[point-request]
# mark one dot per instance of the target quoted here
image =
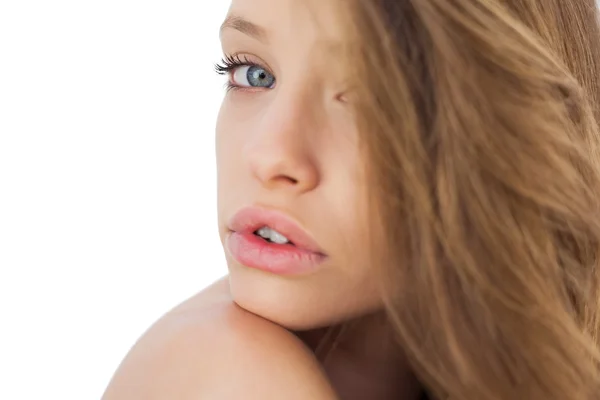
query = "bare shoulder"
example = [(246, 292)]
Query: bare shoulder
[(209, 348)]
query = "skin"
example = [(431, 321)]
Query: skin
[(292, 147), (197, 350), (201, 347)]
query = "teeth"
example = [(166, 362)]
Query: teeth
[(272, 235)]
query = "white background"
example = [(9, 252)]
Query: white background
[(107, 181)]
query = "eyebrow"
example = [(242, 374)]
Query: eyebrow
[(243, 25)]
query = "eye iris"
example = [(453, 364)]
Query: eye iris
[(258, 77)]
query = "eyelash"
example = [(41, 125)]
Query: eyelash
[(229, 63)]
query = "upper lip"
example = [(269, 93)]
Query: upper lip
[(250, 219)]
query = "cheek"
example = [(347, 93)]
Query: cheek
[(228, 143), (348, 188), (237, 116), (223, 126), (344, 200), (357, 222), (228, 150)]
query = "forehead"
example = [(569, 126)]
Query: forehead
[(281, 21)]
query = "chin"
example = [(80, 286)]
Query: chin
[(295, 303)]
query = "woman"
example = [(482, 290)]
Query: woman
[(409, 197)]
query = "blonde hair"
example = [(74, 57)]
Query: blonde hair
[(478, 121)]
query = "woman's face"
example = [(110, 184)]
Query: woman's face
[(291, 211)]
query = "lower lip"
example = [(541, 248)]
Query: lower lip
[(282, 259)]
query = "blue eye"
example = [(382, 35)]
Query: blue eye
[(251, 76), (243, 73)]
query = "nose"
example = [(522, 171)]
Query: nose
[(280, 151)]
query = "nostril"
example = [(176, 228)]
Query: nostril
[(277, 170), (287, 179)]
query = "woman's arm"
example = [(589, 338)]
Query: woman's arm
[(208, 348)]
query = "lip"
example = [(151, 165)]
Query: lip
[(301, 257)]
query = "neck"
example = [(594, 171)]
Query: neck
[(362, 360)]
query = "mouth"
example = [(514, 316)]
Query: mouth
[(273, 227), (271, 241), (272, 236)]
